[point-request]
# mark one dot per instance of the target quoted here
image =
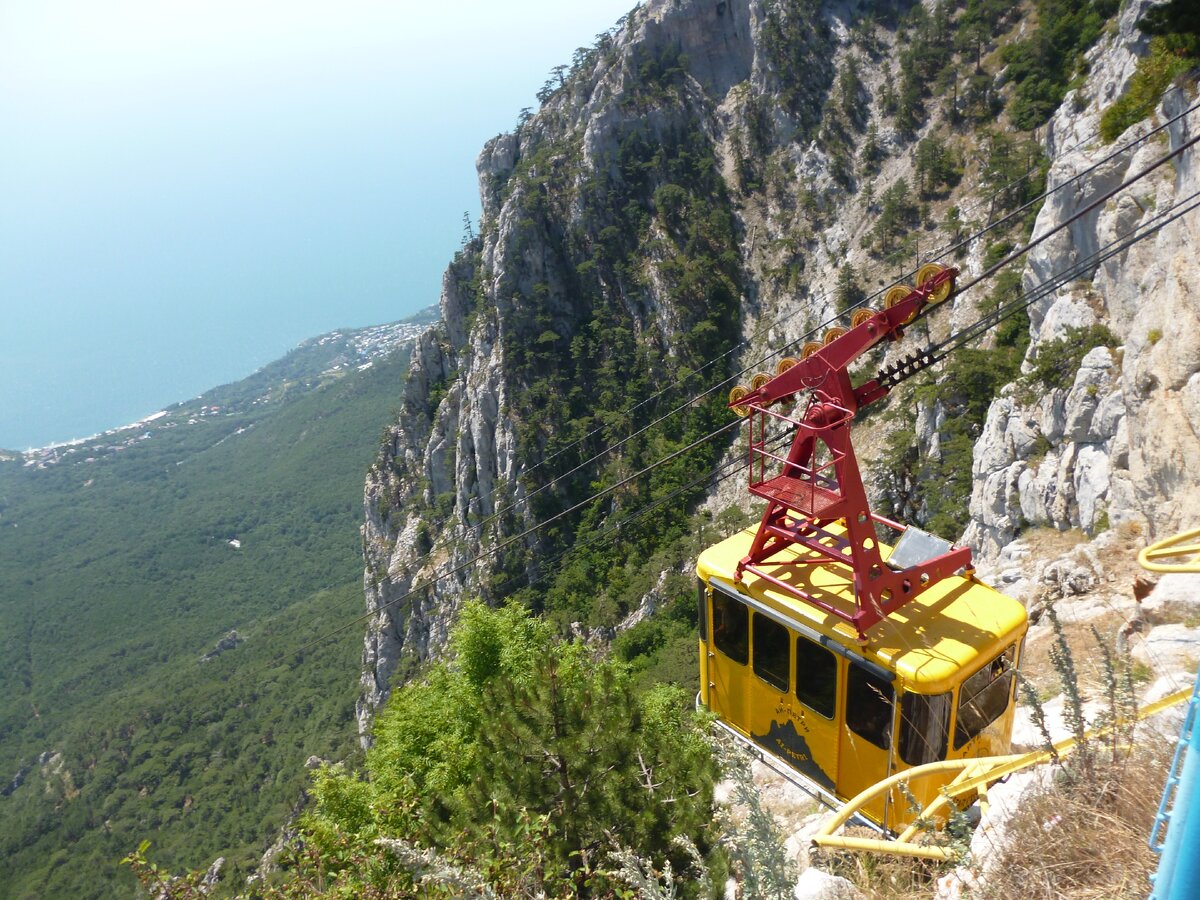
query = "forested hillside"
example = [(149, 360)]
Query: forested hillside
[(230, 521)]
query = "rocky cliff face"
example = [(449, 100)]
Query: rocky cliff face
[(1118, 444), (590, 234), (686, 199)]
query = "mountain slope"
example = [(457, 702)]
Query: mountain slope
[(125, 559), (708, 187)]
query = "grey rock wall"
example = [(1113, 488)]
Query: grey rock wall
[(1120, 443)]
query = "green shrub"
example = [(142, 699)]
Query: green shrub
[(1043, 64), (519, 762), (1058, 360), (1169, 56), (996, 252)]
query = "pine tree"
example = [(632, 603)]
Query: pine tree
[(849, 291)]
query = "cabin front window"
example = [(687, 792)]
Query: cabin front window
[(984, 697), (816, 677), (771, 652), (869, 700), (702, 608), (731, 627), (924, 728)]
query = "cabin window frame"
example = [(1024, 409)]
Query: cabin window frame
[(878, 730), (720, 640), (999, 669), (771, 677), (829, 659), (924, 728)]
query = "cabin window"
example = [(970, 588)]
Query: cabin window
[(771, 652), (731, 627), (702, 608), (816, 677), (869, 706), (924, 728), (984, 697)]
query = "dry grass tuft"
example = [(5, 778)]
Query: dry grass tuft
[(1075, 839), (1082, 838), (880, 877), (1037, 667), (1046, 542)]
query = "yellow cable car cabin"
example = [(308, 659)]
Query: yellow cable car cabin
[(848, 659), (934, 681)]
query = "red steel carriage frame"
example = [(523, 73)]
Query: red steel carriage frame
[(807, 489)]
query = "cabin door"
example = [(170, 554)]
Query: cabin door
[(811, 723), (866, 731), (728, 666)]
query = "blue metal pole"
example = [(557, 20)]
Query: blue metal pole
[(1178, 875)]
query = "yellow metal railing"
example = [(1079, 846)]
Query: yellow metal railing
[(975, 777), (1183, 544)]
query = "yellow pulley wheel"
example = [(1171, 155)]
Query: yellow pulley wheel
[(943, 291), (861, 316), (759, 379), (738, 393), (809, 349), (894, 295), (833, 334), (784, 364)]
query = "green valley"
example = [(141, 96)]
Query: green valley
[(125, 560)]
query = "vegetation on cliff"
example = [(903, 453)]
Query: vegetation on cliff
[(620, 269)]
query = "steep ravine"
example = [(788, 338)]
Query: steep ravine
[(737, 114)]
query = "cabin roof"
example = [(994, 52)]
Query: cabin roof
[(956, 624)]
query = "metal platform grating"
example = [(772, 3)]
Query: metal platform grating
[(799, 494)]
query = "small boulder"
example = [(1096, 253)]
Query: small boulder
[(1169, 647), (814, 884), (1177, 590)]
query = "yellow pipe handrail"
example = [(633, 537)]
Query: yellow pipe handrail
[(879, 845), (863, 797), (975, 774), (1176, 545)]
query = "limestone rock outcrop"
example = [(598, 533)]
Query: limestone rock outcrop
[(1117, 444)]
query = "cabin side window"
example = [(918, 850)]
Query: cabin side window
[(924, 728), (816, 677), (771, 652), (984, 697), (702, 608), (869, 706), (731, 627)]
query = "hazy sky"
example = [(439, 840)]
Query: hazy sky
[(188, 188)]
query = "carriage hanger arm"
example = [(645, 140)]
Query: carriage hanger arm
[(842, 349)]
